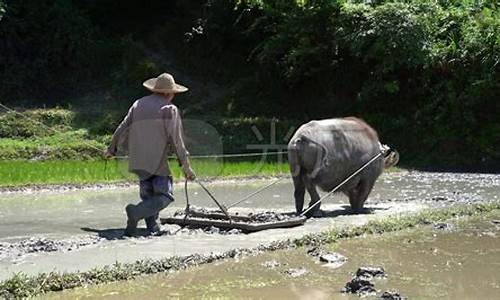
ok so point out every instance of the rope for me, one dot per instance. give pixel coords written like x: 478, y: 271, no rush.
x: 186, y: 210
x: 186, y: 193
x: 238, y: 154
x: 226, y: 155
x: 222, y: 207
x: 256, y: 192
x: 342, y: 183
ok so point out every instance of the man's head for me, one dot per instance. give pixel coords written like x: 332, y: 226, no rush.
x: 168, y: 96
x: 164, y: 84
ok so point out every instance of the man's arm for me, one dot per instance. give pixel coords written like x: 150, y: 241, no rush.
x: 119, y: 131
x: 175, y: 131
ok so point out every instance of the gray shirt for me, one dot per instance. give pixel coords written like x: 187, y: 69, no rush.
x: 150, y: 126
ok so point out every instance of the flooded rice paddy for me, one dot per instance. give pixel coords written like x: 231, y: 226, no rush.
x: 425, y: 263
x: 79, y: 230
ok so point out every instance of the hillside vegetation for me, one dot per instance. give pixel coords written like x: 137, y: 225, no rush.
x: 424, y: 73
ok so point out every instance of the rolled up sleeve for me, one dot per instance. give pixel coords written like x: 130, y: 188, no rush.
x: 124, y: 125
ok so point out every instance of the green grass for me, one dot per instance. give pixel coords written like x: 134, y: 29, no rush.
x: 21, y: 172
x: 77, y: 144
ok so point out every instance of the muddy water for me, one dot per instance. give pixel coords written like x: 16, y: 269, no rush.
x: 64, y: 213
x: 420, y: 264
x: 85, y: 215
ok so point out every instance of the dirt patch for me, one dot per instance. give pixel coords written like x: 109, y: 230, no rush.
x: 271, y: 264
x: 44, y: 245
x: 298, y: 272
x: 369, y: 273
x: 190, y: 230
x: 332, y: 259
x: 361, y: 287
x: 443, y: 226
x: 260, y: 217
x: 392, y: 295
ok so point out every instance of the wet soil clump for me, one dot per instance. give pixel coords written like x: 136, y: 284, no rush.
x: 261, y: 217
x: 361, y: 283
x: 442, y: 226
x: 271, y: 264
x: 296, y: 272
x: 392, y: 295
x: 43, y: 245
x: 361, y: 287
x: 369, y: 273
x: 331, y: 259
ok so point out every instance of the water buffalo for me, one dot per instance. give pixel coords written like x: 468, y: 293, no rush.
x: 324, y: 153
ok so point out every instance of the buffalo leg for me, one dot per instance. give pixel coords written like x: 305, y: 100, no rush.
x: 360, y: 194
x: 353, y: 197
x: 299, y: 193
x: 311, y: 189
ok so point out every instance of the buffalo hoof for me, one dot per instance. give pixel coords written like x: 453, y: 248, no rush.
x: 317, y: 213
x: 358, y: 211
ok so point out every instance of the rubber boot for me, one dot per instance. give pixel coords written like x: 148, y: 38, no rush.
x: 132, y: 220
x: 152, y: 224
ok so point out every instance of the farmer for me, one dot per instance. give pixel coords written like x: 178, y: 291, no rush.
x: 152, y: 126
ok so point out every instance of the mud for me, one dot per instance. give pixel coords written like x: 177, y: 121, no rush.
x: 443, y: 226
x: 191, y: 230
x: 17, y: 251
x: 360, y: 287
x: 294, y: 273
x: 253, y: 217
x: 271, y: 264
x: 99, y: 212
x: 332, y: 259
x: 392, y: 295
x: 361, y: 284
x: 369, y: 273
x: 41, y: 244
x: 463, y: 267
x: 269, y: 216
x: 175, y: 241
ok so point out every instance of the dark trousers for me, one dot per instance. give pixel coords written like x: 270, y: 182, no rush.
x: 156, y: 193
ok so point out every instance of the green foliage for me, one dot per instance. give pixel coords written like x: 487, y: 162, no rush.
x: 238, y: 134
x: 424, y: 73
x: 52, y: 50
x: 45, y: 134
x: 2, y: 9
x: 46, y: 43
x: 69, y: 145
x: 34, y: 123
x: 21, y: 172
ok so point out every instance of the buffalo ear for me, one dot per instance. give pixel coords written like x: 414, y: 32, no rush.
x: 392, y: 159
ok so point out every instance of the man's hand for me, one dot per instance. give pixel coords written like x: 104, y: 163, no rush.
x: 189, y: 173
x: 108, y: 154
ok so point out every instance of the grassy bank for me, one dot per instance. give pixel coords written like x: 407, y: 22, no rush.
x: 19, y: 173
x: 22, y: 285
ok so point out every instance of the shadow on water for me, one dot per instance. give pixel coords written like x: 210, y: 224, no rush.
x: 347, y: 211
x: 115, y: 233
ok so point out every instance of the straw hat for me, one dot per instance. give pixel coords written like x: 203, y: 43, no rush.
x: 164, y: 83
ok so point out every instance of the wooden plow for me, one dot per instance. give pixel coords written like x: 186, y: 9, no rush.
x: 224, y: 220
x: 245, y: 223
